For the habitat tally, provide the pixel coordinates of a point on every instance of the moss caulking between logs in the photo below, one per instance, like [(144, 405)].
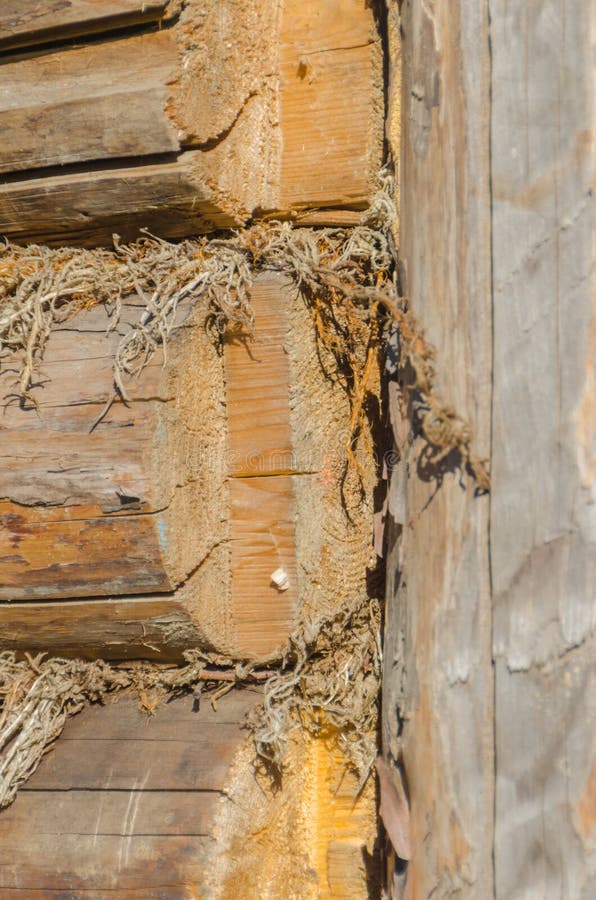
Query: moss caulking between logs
[(327, 675)]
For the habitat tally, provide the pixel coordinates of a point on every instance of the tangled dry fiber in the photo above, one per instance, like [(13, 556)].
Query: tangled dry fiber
[(327, 676)]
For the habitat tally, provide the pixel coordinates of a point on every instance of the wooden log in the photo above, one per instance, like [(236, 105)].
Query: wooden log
[(89, 207), (137, 96), (107, 512), (125, 802), (151, 627), (212, 111), (171, 805), (100, 505), (543, 531), (24, 25), (174, 512), (99, 101), (437, 694)]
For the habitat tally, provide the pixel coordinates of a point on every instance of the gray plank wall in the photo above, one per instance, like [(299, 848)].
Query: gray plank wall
[(490, 624), (542, 518)]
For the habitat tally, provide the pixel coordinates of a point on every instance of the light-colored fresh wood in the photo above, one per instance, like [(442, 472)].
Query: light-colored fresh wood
[(125, 802), (438, 674), (170, 806), (331, 104), (139, 102), (261, 460), (262, 541), (543, 530), (257, 389), (24, 23)]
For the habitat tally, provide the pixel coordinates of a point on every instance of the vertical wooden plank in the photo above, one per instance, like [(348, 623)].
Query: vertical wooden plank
[(542, 521), (331, 103), (437, 704)]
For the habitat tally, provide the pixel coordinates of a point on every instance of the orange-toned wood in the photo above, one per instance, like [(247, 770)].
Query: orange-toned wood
[(48, 553), (263, 541), (331, 104), (261, 458), (257, 388)]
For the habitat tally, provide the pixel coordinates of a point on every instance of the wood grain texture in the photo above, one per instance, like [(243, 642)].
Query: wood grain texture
[(257, 388), (78, 557), (123, 805), (543, 528), (139, 507), (25, 24), (88, 207), (331, 104), (100, 101), (86, 513), (262, 540), (237, 110), (104, 514), (261, 460), (151, 627), (438, 676)]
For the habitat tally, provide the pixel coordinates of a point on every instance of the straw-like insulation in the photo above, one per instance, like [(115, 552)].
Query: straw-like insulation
[(328, 673)]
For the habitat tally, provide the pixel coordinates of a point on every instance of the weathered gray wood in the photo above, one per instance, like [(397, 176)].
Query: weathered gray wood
[(438, 675), (170, 765), (542, 523), (96, 102), (124, 802), (24, 23)]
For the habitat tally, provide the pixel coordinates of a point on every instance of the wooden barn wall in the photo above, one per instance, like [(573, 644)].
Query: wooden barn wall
[(542, 519), (438, 676), (489, 633)]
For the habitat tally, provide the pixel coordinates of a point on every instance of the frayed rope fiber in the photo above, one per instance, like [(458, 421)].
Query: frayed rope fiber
[(328, 674)]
